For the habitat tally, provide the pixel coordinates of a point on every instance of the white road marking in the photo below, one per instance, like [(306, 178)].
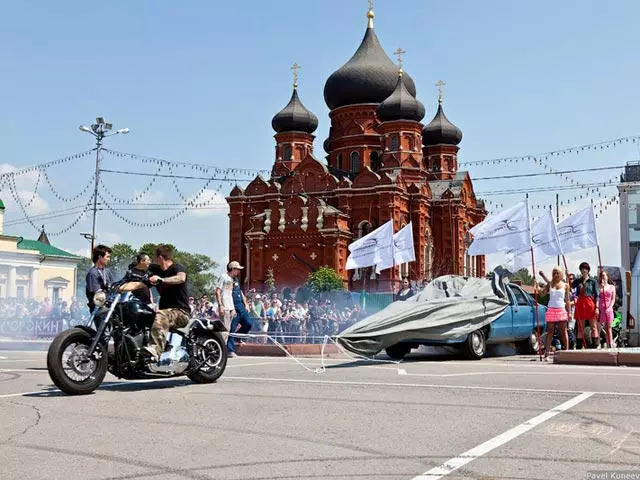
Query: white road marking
[(425, 385), (484, 448)]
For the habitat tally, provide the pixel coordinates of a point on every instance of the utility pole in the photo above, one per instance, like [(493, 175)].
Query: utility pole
[(99, 130)]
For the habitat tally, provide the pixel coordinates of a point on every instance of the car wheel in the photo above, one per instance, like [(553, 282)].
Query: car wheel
[(398, 351), (475, 346), (528, 346)]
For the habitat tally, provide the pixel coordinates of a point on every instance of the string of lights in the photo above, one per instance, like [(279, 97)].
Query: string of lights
[(44, 216), (60, 196), (194, 166), (557, 153), (137, 197), (180, 177), (75, 222), (52, 163)]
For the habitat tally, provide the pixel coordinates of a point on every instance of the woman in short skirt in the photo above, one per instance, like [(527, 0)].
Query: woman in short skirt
[(558, 308)]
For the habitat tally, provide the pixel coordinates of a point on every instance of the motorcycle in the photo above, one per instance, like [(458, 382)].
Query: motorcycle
[(78, 359)]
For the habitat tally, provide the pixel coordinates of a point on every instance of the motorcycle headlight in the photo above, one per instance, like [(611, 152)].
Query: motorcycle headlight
[(100, 298)]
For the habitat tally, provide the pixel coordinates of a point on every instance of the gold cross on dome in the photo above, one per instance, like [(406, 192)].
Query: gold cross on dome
[(399, 52), (370, 4), (440, 84), (295, 67)]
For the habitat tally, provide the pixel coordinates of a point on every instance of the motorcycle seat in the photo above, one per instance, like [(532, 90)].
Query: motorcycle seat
[(184, 330)]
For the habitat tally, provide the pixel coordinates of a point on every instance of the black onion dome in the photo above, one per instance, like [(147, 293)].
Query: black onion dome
[(327, 145), (441, 131), (368, 77), (400, 105), (294, 117)]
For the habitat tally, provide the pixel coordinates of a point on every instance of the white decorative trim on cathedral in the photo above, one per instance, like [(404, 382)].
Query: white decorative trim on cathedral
[(267, 220), (281, 223), (305, 219)]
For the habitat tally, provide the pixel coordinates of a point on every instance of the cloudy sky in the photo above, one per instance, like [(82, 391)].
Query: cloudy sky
[(199, 82)]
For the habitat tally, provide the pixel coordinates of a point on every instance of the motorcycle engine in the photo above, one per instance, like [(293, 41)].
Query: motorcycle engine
[(174, 361)]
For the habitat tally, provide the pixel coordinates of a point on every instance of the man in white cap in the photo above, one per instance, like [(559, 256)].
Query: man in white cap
[(231, 299)]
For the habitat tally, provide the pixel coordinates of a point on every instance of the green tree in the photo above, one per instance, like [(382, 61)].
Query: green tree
[(325, 279), (524, 276), (122, 255), (200, 268), (81, 277)]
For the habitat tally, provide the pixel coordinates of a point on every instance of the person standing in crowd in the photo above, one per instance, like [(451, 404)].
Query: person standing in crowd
[(241, 323), (406, 291), (99, 276), (258, 314), (607, 301), (586, 308), (224, 295), (572, 321), (558, 308)]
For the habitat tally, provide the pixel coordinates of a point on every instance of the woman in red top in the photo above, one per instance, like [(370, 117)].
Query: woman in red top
[(586, 309)]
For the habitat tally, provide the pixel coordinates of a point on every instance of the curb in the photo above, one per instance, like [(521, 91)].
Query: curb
[(627, 358)]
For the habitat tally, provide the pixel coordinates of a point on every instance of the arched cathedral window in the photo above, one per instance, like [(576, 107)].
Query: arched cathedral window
[(355, 161)]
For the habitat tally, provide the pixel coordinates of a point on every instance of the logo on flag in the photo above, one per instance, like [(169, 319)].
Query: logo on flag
[(374, 248), (505, 231), (578, 231), (544, 241), (403, 249)]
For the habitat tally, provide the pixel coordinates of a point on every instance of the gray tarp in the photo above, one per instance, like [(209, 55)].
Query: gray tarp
[(449, 307)]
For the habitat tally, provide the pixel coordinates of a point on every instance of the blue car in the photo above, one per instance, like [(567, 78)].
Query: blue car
[(516, 325)]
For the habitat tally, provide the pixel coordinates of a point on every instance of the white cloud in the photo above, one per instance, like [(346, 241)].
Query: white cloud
[(23, 188), (209, 202)]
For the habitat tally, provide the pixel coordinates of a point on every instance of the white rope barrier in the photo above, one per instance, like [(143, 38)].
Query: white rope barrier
[(323, 366)]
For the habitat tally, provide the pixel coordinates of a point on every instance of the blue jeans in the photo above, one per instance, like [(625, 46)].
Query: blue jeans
[(243, 319)]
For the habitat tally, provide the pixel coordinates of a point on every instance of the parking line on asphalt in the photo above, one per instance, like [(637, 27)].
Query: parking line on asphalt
[(425, 385), (484, 448)]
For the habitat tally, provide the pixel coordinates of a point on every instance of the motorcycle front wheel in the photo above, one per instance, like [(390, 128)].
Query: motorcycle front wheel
[(211, 352), (70, 368)]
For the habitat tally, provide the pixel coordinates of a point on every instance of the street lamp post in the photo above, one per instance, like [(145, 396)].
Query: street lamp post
[(99, 130)]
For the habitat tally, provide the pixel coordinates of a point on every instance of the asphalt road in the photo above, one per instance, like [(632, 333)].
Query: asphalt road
[(270, 418)]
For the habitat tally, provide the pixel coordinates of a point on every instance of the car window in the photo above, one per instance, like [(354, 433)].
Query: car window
[(521, 297)]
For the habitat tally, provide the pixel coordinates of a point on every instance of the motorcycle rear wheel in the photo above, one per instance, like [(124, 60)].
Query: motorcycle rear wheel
[(89, 372), (216, 354)]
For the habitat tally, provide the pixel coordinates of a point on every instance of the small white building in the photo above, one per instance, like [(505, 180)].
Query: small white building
[(35, 268)]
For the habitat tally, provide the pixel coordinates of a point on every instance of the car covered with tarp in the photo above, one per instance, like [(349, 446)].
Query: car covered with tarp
[(452, 310)]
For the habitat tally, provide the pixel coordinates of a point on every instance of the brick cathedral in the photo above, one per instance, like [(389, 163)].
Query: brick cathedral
[(381, 163)]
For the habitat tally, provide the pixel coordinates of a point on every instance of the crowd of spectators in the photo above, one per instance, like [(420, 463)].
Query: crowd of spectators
[(287, 320), (18, 316)]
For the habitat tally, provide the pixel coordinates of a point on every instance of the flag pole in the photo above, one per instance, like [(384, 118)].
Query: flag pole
[(535, 284), (393, 268), (599, 272)]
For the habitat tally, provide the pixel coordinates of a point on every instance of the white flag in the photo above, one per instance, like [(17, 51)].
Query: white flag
[(545, 242), (506, 231), (578, 231), (374, 248), (403, 249)]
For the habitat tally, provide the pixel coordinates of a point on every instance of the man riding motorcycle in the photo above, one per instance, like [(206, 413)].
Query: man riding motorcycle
[(170, 279)]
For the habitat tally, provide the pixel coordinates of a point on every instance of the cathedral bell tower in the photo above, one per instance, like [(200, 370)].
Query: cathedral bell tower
[(294, 126), (440, 139), (401, 130), (353, 93)]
